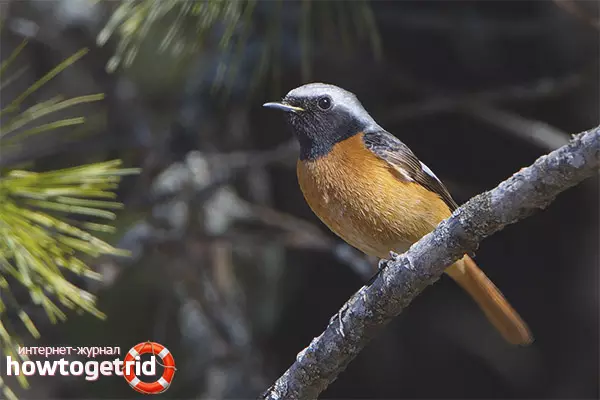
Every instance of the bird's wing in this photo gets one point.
(403, 161)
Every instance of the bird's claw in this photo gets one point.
(381, 265)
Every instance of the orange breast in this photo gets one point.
(360, 198)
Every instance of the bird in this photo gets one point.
(372, 191)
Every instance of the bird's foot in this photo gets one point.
(381, 265)
(394, 256)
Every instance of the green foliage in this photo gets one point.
(183, 26)
(15, 121)
(191, 21)
(47, 219)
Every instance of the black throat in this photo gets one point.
(318, 140)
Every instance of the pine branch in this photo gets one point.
(39, 238)
(406, 275)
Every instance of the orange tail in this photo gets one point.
(496, 308)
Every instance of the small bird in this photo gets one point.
(372, 191)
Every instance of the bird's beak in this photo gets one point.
(283, 107)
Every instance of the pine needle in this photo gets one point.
(39, 241)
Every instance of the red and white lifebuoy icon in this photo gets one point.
(167, 362)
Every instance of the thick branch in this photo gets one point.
(372, 307)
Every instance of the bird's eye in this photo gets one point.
(324, 103)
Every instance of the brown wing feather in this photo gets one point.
(403, 160)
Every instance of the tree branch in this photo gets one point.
(405, 276)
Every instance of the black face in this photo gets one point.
(323, 115)
(321, 125)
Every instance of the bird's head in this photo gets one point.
(322, 115)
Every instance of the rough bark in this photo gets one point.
(403, 277)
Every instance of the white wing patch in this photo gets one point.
(429, 172)
(402, 172)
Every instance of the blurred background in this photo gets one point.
(230, 269)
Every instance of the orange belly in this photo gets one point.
(362, 200)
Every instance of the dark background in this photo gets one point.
(231, 270)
